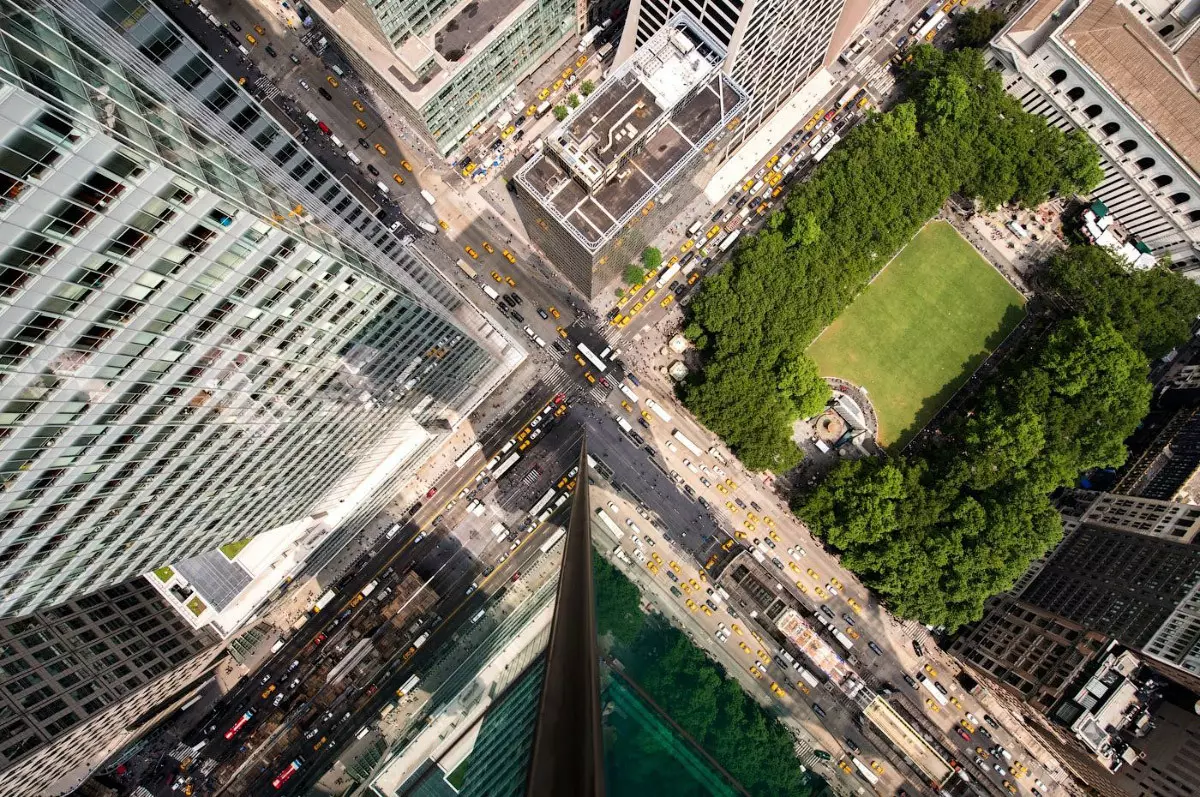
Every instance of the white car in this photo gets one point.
(613, 508)
(637, 554)
(796, 552)
(1041, 786)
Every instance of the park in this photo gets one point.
(919, 329)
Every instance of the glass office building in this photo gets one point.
(203, 334)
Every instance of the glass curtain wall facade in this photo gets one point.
(201, 331)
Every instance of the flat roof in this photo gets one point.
(218, 580)
(907, 740)
(628, 140)
(473, 22)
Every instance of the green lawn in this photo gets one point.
(196, 605)
(920, 329)
(232, 549)
(164, 573)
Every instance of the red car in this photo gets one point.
(432, 492)
(318, 639)
(324, 128)
(966, 737)
(237, 726)
(516, 576)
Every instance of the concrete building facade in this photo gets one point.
(1099, 66)
(203, 334)
(447, 65)
(82, 679)
(773, 47)
(611, 175)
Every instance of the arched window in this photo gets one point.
(1163, 180)
(1110, 129)
(1181, 197)
(1194, 215)
(1128, 145)
(1092, 111)
(1075, 94)
(1145, 163)
(1058, 76)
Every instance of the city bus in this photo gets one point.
(408, 686)
(507, 465)
(609, 525)
(324, 600)
(933, 690)
(688, 444)
(553, 540)
(466, 455)
(629, 394)
(592, 358)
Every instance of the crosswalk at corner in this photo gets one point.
(268, 88)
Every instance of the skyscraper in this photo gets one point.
(1128, 569)
(613, 173)
(203, 334)
(773, 46)
(85, 677)
(447, 65)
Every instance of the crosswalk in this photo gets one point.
(268, 88)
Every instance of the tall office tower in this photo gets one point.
(205, 336)
(1125, 73)
(612, 174)
(447, 65)
(1166, 466)
(1127, 569)
(773, 46)
(82, 679)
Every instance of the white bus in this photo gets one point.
(470, 272)
(829, 145)
(428, 196)
(505, 466)
(609, 525)
(629, 394)
(543, 502)
(669, 274)
(688, 444)
(592, 358)
(807, 677)
(553, 540)
(729, 239)
(624, 424)
(865, 772)
(933, 690)
(324, 600)
(491, 294)
(657, 409)
(842, 639)
(847, 97)
(466, 455)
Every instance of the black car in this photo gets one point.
(235, 26)
(517, 296)
(644, 423)
(717, 215)
(755, 507)
(543, 313)
(990, 720)
(362, 142)
(853, 746)
(940, 688)
(820, 712)
(372, 170)
(878, 651)
(740, 502)
(510, 300)
(518, 317)
(917, 648)
(828, 612)
(271, 51)
(908, 679)
(321, 90)
(676, 285)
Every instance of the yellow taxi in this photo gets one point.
(588, 376)
(581, 60)
(693, 583)
(695, 275)
(675, 566)
(822, 594)
(260, 30)
(406, 166)
(441, 222)
(250, 38)
(727, 545)
(745, 648)
(795, 568)
(878, 767)
(267, 692)
(762, 656)
(712, 233)
(777, 689)
(833, 580)
(579, 360)
(1011, 788)
(932, 672)
(625, 406)
(776, 191)
(332, 81)
(813, 574)
(754, 671)
(653, 568)
(379, 148)
(954, 701)
(361, 124)
(749, 526)
(646, 416)
(929, 704)
(800, 586)
(706, 610)
(737, 629)
(850, 632)
(554, 312)
(512, 283)
(508, 131)
(741, 535)
(398, 179)
(844, 767)
(731, 484)
(488, 248)
(474, 255)
(686, 245)
(721, 489)
(667, 301)
(562, 333)
(358, 106)
(509, 256)
(469, 169)
(637, 308)
(543, 94)
(774, 536)
(496, 276)
(854, 605)
(654, 555)
(691, 604)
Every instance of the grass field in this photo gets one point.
(920, 329)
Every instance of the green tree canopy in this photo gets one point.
(975, 28)
(560, 112)
(651, 258)
(587, 87)
(633, 274)
(1153, 309)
